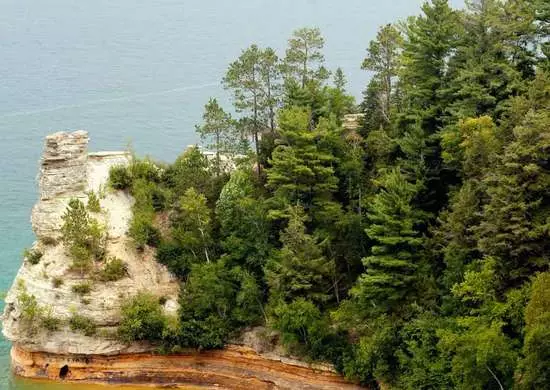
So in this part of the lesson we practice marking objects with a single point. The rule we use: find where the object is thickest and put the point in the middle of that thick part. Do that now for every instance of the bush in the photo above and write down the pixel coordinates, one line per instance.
(174, 258)
(142, 319)
(33, 317)
(83, 288)
(113, 270)
(49, 322)
(93, 202)
(83, 324)
(84, 236)
(145, 169)
(57, 282)
(119, 177)
(49, 241)
(142, 230)
(33, 256)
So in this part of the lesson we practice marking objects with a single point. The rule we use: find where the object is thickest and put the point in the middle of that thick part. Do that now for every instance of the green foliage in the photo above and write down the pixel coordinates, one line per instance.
(83, 324)
(83, 236)
(113, 270)
(535, 365)
(214, 301)
(83, 288)
(119, 177)
(57, 282)
(33, 316)
(299, 268)
(192, 228)
(393, 227)
(221, 132)
(33, 256)
(93, 202)
(142, 318)
(142, 230)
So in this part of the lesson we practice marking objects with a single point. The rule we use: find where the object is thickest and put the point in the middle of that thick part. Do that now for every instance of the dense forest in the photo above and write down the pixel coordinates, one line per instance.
(411, 251)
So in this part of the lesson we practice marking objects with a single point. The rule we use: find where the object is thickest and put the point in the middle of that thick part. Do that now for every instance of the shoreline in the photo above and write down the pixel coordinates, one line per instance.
(235, 367)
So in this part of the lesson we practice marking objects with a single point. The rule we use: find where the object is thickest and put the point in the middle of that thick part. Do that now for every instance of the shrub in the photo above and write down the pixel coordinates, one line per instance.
(145, 169)
(83, 288)
(84, 236)
(142, 230)
(49, 322)
(57, 282)
(113, 270)
(49, 241)
(83, 324)
(119, 177)
(34, 317)
(33, 256)
(93, 202)
(174, 258)
(31, 312)
(142, 319)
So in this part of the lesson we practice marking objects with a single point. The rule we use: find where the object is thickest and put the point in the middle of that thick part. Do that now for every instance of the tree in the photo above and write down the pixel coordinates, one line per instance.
(339, 102)
(391, 267)
(271, 73)
(220, 126)
(514, 219)
(244, 227)
(535, 366)
(193, 228)
(253, 78)
(299, 268)
(304, 58)
(383, 59)
(302, 166)
(490, 57)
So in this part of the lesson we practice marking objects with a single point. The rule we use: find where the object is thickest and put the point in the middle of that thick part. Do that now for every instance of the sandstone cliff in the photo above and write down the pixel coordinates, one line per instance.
(69, 171)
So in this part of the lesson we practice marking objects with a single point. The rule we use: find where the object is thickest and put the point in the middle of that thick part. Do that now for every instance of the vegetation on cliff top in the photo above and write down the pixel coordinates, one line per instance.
(411, 251)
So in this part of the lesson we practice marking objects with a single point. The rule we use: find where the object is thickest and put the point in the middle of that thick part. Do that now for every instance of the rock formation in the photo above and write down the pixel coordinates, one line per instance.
(69, 171)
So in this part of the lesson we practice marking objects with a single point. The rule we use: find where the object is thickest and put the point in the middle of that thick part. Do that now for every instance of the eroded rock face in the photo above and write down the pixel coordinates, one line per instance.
(68, 171)
(235, 367)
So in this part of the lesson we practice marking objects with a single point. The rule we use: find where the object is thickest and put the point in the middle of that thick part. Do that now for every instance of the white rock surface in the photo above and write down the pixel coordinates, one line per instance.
(68, 171)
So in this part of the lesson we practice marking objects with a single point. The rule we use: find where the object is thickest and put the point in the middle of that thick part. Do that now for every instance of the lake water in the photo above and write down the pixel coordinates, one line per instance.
(138, 71)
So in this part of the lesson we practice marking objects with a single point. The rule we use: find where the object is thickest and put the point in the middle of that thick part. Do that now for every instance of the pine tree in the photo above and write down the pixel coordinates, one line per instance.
(220, 126)
(304, 57)
(299, 268)
(302, 166)
(515, 220)
(383, 59)
(253, 78)
(391, 267)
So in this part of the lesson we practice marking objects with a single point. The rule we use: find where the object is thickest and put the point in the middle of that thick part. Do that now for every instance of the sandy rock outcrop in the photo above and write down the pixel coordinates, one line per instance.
(68, 171)
(235, 367)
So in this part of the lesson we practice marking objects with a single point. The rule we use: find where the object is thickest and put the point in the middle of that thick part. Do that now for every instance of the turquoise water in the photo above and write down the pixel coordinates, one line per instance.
(139, 71)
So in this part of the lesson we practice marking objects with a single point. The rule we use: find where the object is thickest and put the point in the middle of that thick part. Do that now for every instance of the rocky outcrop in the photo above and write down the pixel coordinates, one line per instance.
(352, 121)
(69, 171)
(235, 367)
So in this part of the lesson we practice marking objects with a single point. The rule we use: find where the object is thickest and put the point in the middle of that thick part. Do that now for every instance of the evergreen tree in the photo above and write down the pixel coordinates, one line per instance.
(253, 78)
(391, 267)
(304, 57)
(383, 59)
(302, 166)
(219, 126)
(299, 268)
